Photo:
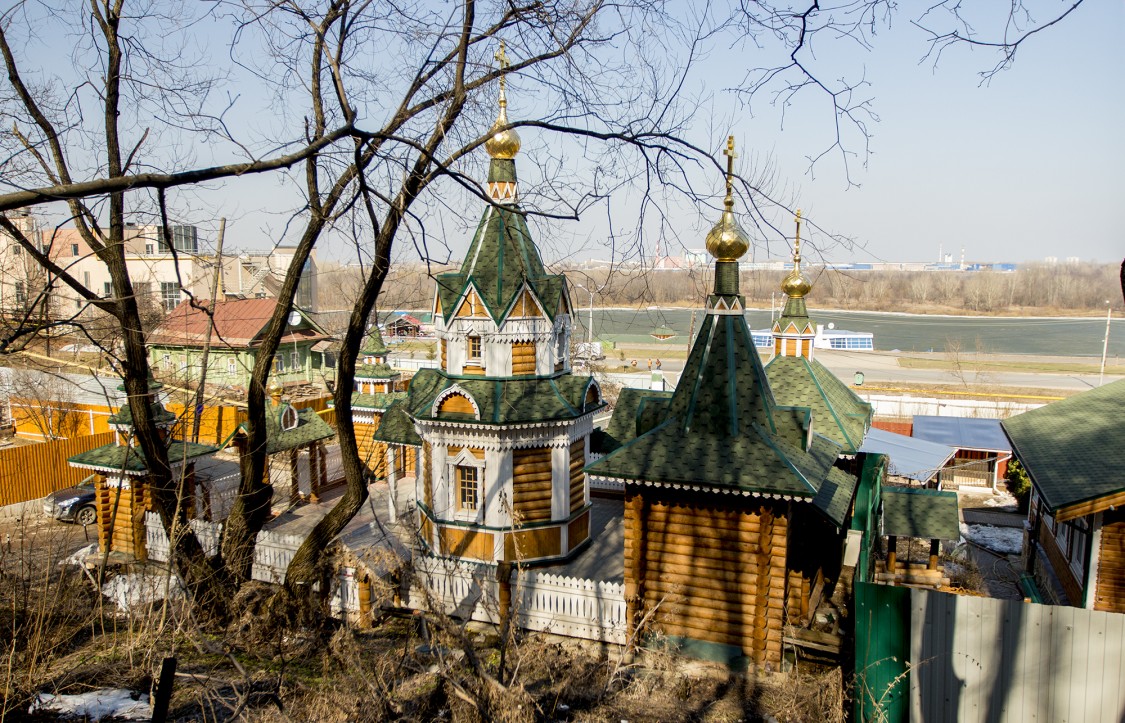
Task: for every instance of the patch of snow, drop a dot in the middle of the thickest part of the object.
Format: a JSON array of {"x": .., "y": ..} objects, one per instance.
[
  {"x": 78, "y": 559},
  {"x": 1004, "y": 540},
  {"x": 95, "y": 705},
  {"x": 136, "y": 589}
]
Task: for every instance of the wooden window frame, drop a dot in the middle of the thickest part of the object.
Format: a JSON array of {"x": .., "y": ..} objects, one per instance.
[
  {"x": 471, "y": 342},
  {"x": 467, "y": 484}
]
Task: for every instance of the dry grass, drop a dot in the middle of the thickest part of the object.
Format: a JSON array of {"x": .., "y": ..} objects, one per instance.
[{"x": 60, "y": 636}]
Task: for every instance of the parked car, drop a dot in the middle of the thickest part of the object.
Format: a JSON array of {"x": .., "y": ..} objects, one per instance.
[{"x": 73, "y": 504}]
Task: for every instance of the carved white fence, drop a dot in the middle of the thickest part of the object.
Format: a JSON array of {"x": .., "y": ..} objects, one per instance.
[
  {"x": 575, "y": 607},
  {"x": 272, "y": 553},
  {"x": 467, "y": 590},
  {"x": 156, "y": 541}
]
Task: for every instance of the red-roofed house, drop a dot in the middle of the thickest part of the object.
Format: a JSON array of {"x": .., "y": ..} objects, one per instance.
[{"x": 177, "y": 344}]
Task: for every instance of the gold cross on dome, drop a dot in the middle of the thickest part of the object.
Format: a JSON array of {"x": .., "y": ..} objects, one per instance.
[
  {"x": 502, "y": 59},
  {"x": 797, "y": 245},
  {"x": 731, "y": 155}
]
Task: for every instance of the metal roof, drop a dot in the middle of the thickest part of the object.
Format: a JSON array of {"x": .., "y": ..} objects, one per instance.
[
  {"x": 962, "y": 432},
  {"x": 238, "y": 324},
  {"x": 916, "y": 459}
]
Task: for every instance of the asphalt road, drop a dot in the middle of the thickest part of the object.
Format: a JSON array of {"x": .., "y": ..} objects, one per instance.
[{"x": 884, "y": 367}]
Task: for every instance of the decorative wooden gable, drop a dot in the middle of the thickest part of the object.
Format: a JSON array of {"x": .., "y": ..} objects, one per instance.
[{"x": 472, "y": 306}]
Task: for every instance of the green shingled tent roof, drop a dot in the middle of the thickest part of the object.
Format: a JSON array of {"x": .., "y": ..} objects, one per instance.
[
  {"x": 130, "y": 459},
  {"x": 373, "y": 343},
  {"x": 124, "y": 415},
  {"x": 502, "y": 258},
  {"x": 722, "y": 428},
  {"x": 838, "y": 412},
  {"x": 1074, "y": 449}
]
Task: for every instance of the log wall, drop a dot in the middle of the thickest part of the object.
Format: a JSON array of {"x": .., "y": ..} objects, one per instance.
[
  {"x": 577, "y": 476},
  {"x": 713, "y": 572},
  {"x": 121, "y": 517},
  {"x": 427, "y": 475},
  {"x": 523, "y": 358},
  {"x": 531, "y": 484},
  {"x": 371, "y": 451},
  {"x": 1110, "y": 593}
]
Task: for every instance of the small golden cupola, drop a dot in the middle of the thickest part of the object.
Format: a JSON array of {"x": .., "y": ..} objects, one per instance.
[
  {"x": 503, "y": 144},
  {"x": 794, "y": 333},
  {"x": 727, "y": 242}
]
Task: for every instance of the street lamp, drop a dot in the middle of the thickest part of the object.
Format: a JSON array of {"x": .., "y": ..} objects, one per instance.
[
  {"x": 1105, "y": 341},
  {"x": 590, "y": 321}
]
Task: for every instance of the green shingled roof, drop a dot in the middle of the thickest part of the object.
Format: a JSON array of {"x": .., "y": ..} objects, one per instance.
[
  {"x": 503, "y": 401},
  {"x": 1074, "y": 449},
  {"x": 375, "y": 371},
  {"x": 373, "y": 342},
  {"x": 838, "y": 412},
  {"x": 920, "y": 513},
  {"x": 835, "y": 496},
  {"x": 310, "y": 428},
  {"x": 130, "y": 459},
  {"x": 723, "y": 428},
  {"x": 376, "y": 402},
  {"x": 795, "y": 312},
  {"x": 501, "y": 259},
  {"x": 124, "y": 416},
  {"x": 626, "y": 420},
  {"x": 397, "y": 427}
]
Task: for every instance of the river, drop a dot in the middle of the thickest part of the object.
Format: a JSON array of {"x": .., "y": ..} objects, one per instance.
[{"x": 1040, "y": 336}]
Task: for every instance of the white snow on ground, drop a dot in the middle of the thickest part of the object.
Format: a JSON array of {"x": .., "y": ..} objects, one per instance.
[
  {"x": 95, "y": 705},
  {"x": 1004, "y": 540},
  {"x": 135, "y": 589}
]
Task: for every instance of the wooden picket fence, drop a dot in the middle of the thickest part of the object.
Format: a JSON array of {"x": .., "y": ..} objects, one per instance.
[
  {"x": 36, "y": 470},
  {"x": 575, "y": 607}
]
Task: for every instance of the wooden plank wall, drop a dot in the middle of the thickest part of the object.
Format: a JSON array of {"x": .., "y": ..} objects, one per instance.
[
  {"x": 577, "y": 476},
  {"x": 531, "y": 483},
  {"x": 1110, "y": 595},
  {"x": 717, "y": 574},
  {"x": 1071, "y": 585},
  {"x": 36, "y": 470},
  {"x": 981, "y": 659}
]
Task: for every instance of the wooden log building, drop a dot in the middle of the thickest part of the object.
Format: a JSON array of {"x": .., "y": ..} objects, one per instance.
[
  {"x": 734, "y": 508},
  {"x": 502, "y": 428}
]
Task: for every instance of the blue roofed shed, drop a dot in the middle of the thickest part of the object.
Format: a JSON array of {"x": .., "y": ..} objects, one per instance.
[{"x": 982, "y": 448}]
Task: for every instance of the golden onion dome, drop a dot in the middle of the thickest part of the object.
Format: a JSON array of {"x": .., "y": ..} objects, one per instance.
[
  {"x": 727, "y": 241},
  {"x": 795, "y": 284},
  {"x": 502, "y": 143}
]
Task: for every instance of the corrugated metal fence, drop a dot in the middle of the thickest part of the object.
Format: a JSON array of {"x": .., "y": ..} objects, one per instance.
[
  {"x": 37, "y": 470},
  {"x": 980, "y": 659}
]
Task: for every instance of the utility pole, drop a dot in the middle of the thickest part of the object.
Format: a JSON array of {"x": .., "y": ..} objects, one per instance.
[
  {"x": 1105, "y": 342},
  {"x": 197, "y": 417}
]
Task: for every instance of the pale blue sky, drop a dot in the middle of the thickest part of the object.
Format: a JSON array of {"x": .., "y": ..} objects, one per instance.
[{"x": 1028, "y": 166}]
